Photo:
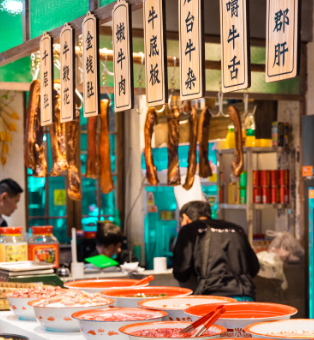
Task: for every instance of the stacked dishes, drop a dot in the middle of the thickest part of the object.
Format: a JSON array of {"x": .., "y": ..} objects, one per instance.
[
  {"x": 130, "y": 297},
  {"x": 240, "y": 315},
  {"x": 175, "y": 307}
]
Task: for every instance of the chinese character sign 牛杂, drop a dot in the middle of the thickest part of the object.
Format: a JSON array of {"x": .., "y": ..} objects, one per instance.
[
  {"x": 122, "y": 57},
  {"x": 90, "y": 66},
  {"x": 46, "y": 80},
  {"x": 67, "y": 73},
  {"x": 235, "y": 45},
  {"x": 282, "y": 40},
  {"x": 155, "y": 52},
  {"x": 192, "y": 57}
]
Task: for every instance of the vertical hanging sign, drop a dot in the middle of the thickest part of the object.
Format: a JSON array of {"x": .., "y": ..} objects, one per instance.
[
  {"x": 122, "y": 56},
  {"x": 90, "y": 65},
  {"x": 155, "y": 52},
  {"x": 282, "y": 39},
  {"x": 235, "y": 45},
  {"x": 46, "y": 80},
  {"x": 192, "y": 49},
  {"x": 67, "y": 73}
]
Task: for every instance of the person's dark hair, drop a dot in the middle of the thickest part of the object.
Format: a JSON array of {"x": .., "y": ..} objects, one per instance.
[
  {"x": 195, "y": 209},
  {"x": 108, "y": 233},
  {"x": 10, "y": 187}
]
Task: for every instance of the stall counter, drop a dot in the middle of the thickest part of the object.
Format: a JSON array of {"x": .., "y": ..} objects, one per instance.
[{"x": 10, "y": 323}]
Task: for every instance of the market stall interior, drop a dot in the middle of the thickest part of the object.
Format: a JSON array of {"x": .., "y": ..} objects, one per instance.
[{"x": 127, "y": 111}]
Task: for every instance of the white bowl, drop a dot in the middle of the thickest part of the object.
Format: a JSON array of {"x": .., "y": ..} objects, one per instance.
[
  {"x": 97, "y": 286},
  {"x": 19, "y": 306},
  {"x": 175, "y": 306},
  {"x": 239, "y": 315},
  {"x": 129, "y": 301},
  {"x": 58, "y": 319},
  {"x": 217, "y": 330},
  {"x": 283, "y": 329},
  {"x": 98, "y": 330}
]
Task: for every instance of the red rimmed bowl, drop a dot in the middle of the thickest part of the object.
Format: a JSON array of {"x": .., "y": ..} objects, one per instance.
[
  {"x": 175, "y": 306},
  {"x": 166, "y": 330},
  {"x": 57, "y": 318},
  {"x": 239, "y": 315},
  {"x": 97, "y": 286},
  {"x": 283, "y": 329},
  {"x": 126, "y": 297},
  {"x": 97, "y": 324}
]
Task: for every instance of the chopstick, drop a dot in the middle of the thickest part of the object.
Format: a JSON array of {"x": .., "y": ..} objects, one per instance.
[
  {"x": 144, "y": 281},
  {"x": 200, "y": 321},
  {"x": 210, "y": 321}
]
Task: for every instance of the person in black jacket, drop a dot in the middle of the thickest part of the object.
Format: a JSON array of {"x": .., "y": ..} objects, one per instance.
[
  {"x": 10, "y": 193},
  {"x": 216, "y": 252},
  {"x": 109, "y": 241}
]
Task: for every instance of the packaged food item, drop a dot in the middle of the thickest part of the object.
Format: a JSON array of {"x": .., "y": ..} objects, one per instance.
[
  {"x": 265, "y": 178},
  {"x": 284, "y": 177},
  {"x": 250, "y": 131},
  {"x": 232, "y": 190},
  {"x": 43, "y": 246},
  {"x": 266, "y": 195},
  {"x": 243, "y": 179},
  {"x": 256, "y": 178},
  {"x": 275, "y": 195},
  {"x": 257, "y": 195},
  {"x": 274, "y": 176},
  {"x": 284, "y": 195},
  {"x": 230, "y": 138},
  {"x": 277, "y": 133},
  {"x": 13, "y": 247},
  {"x": 242, "y": 196}
]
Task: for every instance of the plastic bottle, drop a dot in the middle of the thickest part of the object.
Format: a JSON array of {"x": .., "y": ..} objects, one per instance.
[
  {"x": 230, "y": 138},
  {"x": 232, "y": 190},
  {"x": 250, "y": 130}
]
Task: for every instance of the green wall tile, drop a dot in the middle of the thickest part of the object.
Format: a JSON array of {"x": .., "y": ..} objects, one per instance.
[
  {"x": 47, "y": 15},
  {"x": 11, "y": 28}
]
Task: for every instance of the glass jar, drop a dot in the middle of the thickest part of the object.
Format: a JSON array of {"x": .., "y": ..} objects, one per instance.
[
  {"x": 43, "y": 246},
  {"x": 13, "y": 246}
]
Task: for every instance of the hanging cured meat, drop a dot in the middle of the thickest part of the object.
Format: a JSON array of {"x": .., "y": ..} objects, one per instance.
[
  {"x": 106, "y": 180},
  {"x": 192, "y": 162},
  {"x": 173, "y": 145},
  {"x": 151, "y": 171},
  {"x": 203, "y": 134},
  {"x": 92, "y": 163},
  {"x": 57, "y": 135},
  {"x": 237, "y": 164},
  {"x": 34, "y": 153},
  {"x": 72, "y": 129}
]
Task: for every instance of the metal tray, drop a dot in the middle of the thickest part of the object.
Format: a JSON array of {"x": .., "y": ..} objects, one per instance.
[{"x": 23, "y": 266}]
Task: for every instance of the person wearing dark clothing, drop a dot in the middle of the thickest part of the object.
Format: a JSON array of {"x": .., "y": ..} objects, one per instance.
[
  {"x": 109, "y": 241},
  {"x": 10, "y": 193},
  {"x": 216, "y": 252}
]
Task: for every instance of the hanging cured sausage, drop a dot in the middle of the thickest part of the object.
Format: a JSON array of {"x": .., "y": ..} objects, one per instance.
[
  {"x": 34, "y": 153},
  {"x": 203, "y": 135},
  {"x": 192, "y": 162},
  {"x": 72, "y": 129},
  {"x": 237, "y": 164},
  {"x": 106, "y": 179},
  {"x": 173, "y": 145},
  {"x": 92, "y": 163},
  {"x": 57, "y": 135},
  {"x": 151, "y": 171}
]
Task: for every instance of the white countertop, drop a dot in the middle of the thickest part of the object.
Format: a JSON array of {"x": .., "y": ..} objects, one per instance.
[{"x": 10, "y": 323}]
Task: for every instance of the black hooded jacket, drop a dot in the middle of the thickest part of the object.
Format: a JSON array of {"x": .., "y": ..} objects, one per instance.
[{"x": 220, "y": 256}]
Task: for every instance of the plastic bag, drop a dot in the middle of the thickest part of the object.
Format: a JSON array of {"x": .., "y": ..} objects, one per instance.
[
  {"x": 286, "y": 247},
  {"x": 271, "y": 267}
]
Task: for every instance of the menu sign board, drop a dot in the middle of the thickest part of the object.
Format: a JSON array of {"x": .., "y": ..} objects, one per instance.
[
  {"x": 122, "y": 56},
  {"x": 155, "y": 52},
  {"x": 46, "y": 80},
  {"x": 192, "y": 49},
  {"x": 282, "y": 39},
  {"x": 90, "y": 65},
  {"x": 235, "y": 45},
  {"x": 67, "y": 73}
]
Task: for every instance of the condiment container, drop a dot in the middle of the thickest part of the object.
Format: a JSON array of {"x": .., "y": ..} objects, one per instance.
[
  {"x": 13, "y": 247},
  {"x": 43, "y": 246}
]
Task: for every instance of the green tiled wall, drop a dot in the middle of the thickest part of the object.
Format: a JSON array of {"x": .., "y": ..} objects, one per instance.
[{"x": 47, "y": 15}]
